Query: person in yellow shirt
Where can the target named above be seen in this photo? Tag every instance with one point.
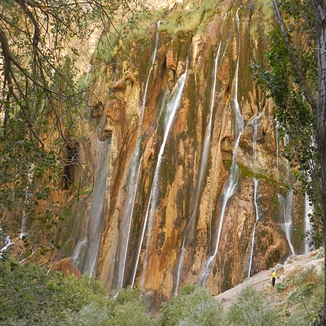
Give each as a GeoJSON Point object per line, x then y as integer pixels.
{"type": "Point", "coordinates": [273, 278]}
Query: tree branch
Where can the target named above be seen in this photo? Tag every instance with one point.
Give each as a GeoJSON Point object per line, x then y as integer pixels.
{"type": "Point", "coordinates": [294, 62]}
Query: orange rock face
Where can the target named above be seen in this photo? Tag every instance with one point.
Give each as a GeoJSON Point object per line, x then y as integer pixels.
{"type": "Point", "coordinates": [195, 199]}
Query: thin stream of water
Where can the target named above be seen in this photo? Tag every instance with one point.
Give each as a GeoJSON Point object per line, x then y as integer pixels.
{"type": "Point", "coordinates": [308, 227]}
{"type": "Point", "coordinates": [94, 228]}
{"type": "Point", "coordinates": [202, 169]}
{"type": "Point", "coordinates": [229, 187]}
{"type": "Point", "coordinates": [256, 183]}
{"type": "Point", "coordinates": [134, 171]}
{"type": "Point", "coordinates": [171, 111]}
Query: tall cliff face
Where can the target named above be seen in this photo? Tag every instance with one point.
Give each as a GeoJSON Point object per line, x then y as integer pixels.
{"type": "Point", "coordinates": [194, 187]}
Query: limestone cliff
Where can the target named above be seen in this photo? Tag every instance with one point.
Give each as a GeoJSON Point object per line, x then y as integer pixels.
{"type": "Point", "coordinates": [194, 189]}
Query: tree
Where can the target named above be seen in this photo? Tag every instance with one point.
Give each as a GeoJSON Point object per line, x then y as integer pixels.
{"type": "Point", "coordinates": [291, 80]}
{"type": "Point", "coordinates": [320, 14]}
{"type": "Point", "coordinates": [41, 102]}
{"type": "Point", "coordinates": [311, 15]}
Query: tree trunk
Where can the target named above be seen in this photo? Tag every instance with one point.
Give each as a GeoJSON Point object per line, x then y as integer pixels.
{"type": "Point", "coordinates": [320, 10]}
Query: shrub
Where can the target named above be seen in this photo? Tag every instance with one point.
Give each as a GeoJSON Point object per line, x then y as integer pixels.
{"type": "Point", "coordinates": [193, 307]}
{"type": "Point", "coordinates": [251, 310]}
{"type": "Point", "coordinates": [129, 308]}
{"type": "Point", "coordinates": [31, 295]}
{"type": "Point", "coordinates": [93, 314]}
{"type": "Point", "coordinates": [280, 287]}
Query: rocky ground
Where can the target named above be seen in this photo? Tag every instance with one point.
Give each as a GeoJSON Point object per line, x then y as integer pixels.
{"type": "Point", "coordinates": [261, 282]}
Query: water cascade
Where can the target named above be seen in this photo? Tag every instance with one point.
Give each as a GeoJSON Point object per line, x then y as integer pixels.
{"type": "Point", "coordinates": [277, 127]}
{"type": "Point", "coordinates": [286, 203]}
{"type": "Point", "coordinates": [308, 227]}
{"type": "Point", "coordinates": [231, 183]}
{"type": "Point", "coordinates": [79, 251]}
{"type": "Point", "coordinates": [30, 176]}
{"type": "Point", "coordinates": [256, 183]}
{"type": "Point", "coordinates": [309, 210]}
{"type": "Point", "coordinates": [134, 170]}
{"type": "Point", "coordinates": [94, 228]}
{"type": "Point", "coordinates": [89, 68]}
{"type": "Point", "coordinates": [8, 243]}
{"type": "Point", "coordinates": [286, 207]}
{"type": "Point", "coordinates": [254, 123]}
{"type": "Point", "coordinates": [170, 112]}
{"type": "Point", "coordinates": [202, 169]}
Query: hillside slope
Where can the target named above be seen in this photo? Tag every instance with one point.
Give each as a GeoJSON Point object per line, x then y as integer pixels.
{"type": "Point", "coordinates": [299, 285]}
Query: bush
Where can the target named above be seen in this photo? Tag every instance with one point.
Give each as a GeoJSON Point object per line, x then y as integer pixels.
{"type": "Point", "coordinates": [251, 310]}
{"type": "Point", "coordinates": [129, 309]}
{"type": "Point", "coordinates": [93, 314]}
{"type": "Point", "coordinates": [193, 307]}
{"type": "Point", "coordinates": [280, 287]}
{"type": "Point", "coordinates": [308, 297]}
{"type": "Point", "coordinates": [31, 295]}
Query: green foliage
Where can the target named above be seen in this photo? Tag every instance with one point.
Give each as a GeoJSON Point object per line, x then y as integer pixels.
{"type": "Point", "coordinates": [31, 295]}
{"type": "Point", "coordinates": [189, 16]}
{"type": "Point", "coordinates": [295, 118]}
{"type": "Point", "coordinates": [306, 297]}
{"type": "Point", "coordinates": [41, 106]}
{"type": "Point", "coordinates": [251, 310]}
{"type": "Point", "coordinates": [127, 308]}
{"type": "Point", "coordinates": [280, 287]}
{"type": "Point", "coordinates": [93, 314]}
{"type": "Point", "coordinates": [194, 306]}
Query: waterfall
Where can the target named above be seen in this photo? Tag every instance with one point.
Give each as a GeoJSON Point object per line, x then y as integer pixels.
{"type": "Point", "coordinates": [309, 209]}
{"type": "Point", "coordinates": [227, 193]}
{"type": "Point", "coordinates": [79, 251]}
{"type": "Point", "coordinates": [89, 68]}
{"type": "Point", "coordinates": [94, 228]}
{"type": "Point", "coordinates": [8, 243]}
{"type": "Point", "coordinates": [134, 170]}
{"type": "Point", "coordinates": [308, 227]}
{"type": "Point", "coordinates": [286, 202]}
{"type": "Point", "coordinates": [202, 169]}
{"type": "Point", "coordinates": [170, 112]}
{"type": "Point", "coordinates": [287, 207]}
{"type": "Point", "coordinates": [256, 182]}
{"type": "Point", "coordinates": [277, 127]}
{"type": "Point", "coordinates": [254, 123]}
{"type": "Point", "coordinates": [231, 183]}
{"type": "Point", "coordinates": [30, 176]}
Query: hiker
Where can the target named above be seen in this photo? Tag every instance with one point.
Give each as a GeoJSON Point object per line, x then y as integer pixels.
{"type": "Point", "coordinates": [273, 278]}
